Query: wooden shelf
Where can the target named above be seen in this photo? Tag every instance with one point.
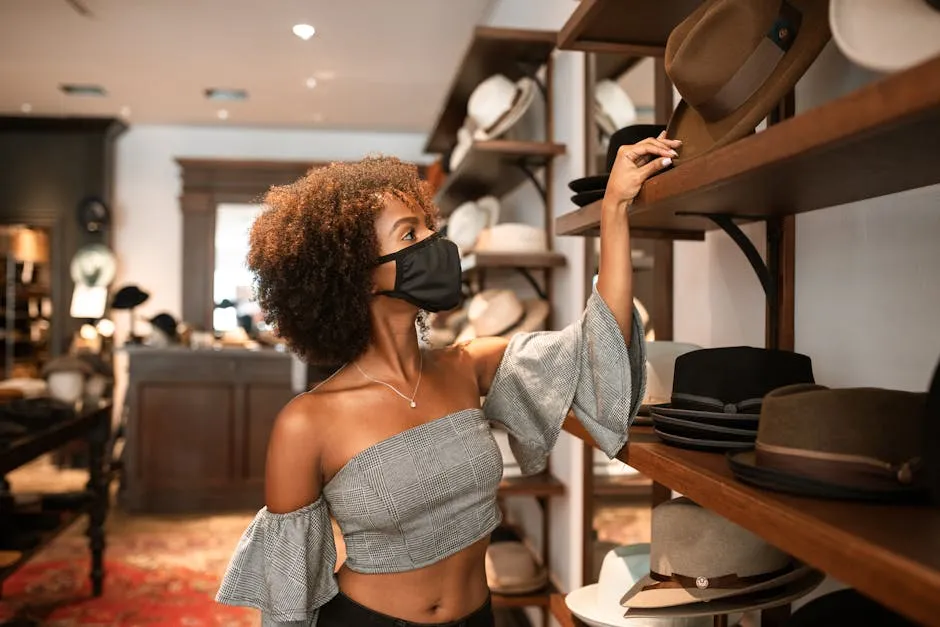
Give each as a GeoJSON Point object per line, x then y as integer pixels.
{"type": "Point", "coordinates": [622, 486]}
{"type": "Point", "coordinates": [541, 485]}
{"type": "Point", "coordinates": [561, 613]}
{"type": "Point", "coordinates": [491, 167]}
{"type": "Point", "coordinates": [632, 27]}
{"type": "Point", "coordinates": [539, 598]}
{"type": "Point", "coordinates": [857, 543]}
{"type": "Point", "coordinates": [881, 139]}
{"type": "Point", "coordinates": [494, 260]}
{"type": "Point", "coordinates": [505, 51]}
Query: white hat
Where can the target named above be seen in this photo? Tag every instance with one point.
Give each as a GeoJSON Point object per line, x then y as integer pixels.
{"type": "Point", "coordinates": [496, 312]}
{"type": "Point", "coordinates": [613, 108]}
{"type": "Point", "coordinates": [464, 142]}
{"type": "Point", "coordinates": [512, 237]}
{"type": "Point", "coordinates": [598, 604]}
{"type": "Point", "coordinates": [467, 221]}
{"type": "Point", "coordinates": [497, 103]}
{"type": "Point", "coordinates": [660, 367]}
{"type": "Point", "coordinates": [511, 569]}
{"type": "Point", "coordinates": [886, 35]}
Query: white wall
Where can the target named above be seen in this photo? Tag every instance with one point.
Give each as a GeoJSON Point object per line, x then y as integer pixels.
{"type": "Point", "coordinates": [147, 217]}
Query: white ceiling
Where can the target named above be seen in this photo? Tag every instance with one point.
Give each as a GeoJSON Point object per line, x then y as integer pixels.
{"type": "Point", "coordinates": [382, 64]}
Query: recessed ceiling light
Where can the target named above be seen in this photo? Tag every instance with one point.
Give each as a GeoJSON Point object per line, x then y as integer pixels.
{"type": "Point", "coordinates": [223, 114]}
{"type": "Point", "coordinates": [304, 31]}
{"type": "Point", "coordinates": [125, 111]}
{"type": "Point", "coordinates": [226, 94]}
{"type": "Point", "coordinates": [83, 90]}
{"type": "Point", "coordinates": [26, 107]}
{"type": "Point", "coordinates": [311, 83]}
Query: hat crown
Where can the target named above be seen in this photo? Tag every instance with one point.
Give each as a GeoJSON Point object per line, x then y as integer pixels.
{"type": "Point", "coordinates": [692, 541]}
{"type": "Point", "coordinates": [887, 425]}
{"type": "Point", "coordinates": [706, 50]}
{"type": "Point", "coordinates": [738, 373]}
{"type": "Point", "coordinates": [660, 365]}
{"type": "Point", "coordinates": [494, 311]}
{"type": "Point", "coordinates": [490, 100]}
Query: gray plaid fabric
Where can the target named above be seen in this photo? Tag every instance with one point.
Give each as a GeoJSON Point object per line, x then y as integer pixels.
{"type": "Point", "coordinates": [585, 367]}
{"type": "Point", "coordinates": [430, 491]}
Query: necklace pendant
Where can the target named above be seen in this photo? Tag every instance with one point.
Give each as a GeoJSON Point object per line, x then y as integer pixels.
{"type": "Point", "coordinates": [413, 404]}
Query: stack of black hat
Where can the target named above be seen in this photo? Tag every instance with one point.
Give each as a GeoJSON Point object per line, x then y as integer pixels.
{"type": "Point", "coordinates": [591, 188]}
{"type": "Point", "coordinates": [717, 395]}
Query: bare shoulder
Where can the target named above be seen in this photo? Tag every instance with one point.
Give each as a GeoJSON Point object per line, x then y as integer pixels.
{"type": "Point", "coordinates": [485, 355]}
{"type": "Point", "coordinates": [293, 474]}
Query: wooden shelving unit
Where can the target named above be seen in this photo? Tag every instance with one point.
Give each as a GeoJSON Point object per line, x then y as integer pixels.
{"type": "Point", "coordinates": [629, 27]}
{"type": "Point", "coordinates": [857, 543]}
{"type": "Point", "coordinates": [622, 487]}
{"type": "Point", "coordinates": [497, 167]}
{"type": "Point", "coordinates": [493, 167]}
{"type": "Point", "coordinates": [499, 260]}
{"type": "Point", "coordinates": [541, 485]}
{"type": "Point", "coordinates": [507, 51]}
{"type": "Point", "coordinates": [561, 613]}
{"type": "Point", "coordinates": [878, 140]}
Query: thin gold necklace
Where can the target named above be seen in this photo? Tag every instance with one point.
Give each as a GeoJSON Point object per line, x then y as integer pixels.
{"type": "Point", "coordinates": [393, 388]}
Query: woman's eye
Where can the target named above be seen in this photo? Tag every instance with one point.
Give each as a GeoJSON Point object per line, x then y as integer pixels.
{"type": "Point", "coordinates": [409, 236]}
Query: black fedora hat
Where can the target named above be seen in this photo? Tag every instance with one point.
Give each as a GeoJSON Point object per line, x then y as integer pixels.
{"type": "Point", "coordinates": [128, 297]}
{"type": "Point", "coordinates": [626, 136]}
{"type": "Point", "coordinates": [726, 386]}
{"type": "Point", "coordinates": [165, 323]}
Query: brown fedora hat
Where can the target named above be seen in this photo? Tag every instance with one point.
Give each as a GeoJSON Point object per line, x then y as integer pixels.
{"type": "Point", "coordinates": [732, 61]}
{"type": "Point", "coordinates": [855, 443]}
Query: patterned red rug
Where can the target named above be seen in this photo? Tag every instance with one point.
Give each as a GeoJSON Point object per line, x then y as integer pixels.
{"type": "Point", "coordinates": [157, 572]}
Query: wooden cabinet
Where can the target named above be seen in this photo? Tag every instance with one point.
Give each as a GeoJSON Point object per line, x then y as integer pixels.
{"type": "Point", "coordinates": [197, 427]}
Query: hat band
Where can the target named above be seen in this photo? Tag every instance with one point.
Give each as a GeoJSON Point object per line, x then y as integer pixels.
{"type": "Point", "coordinates": [856, 471]}
{"type": "Point", "coordinates": [726, 582]}
{"type": "Point", "coordinates": [681, 400]}
{"type": "Point", "coordinates": [515, 101]}
{"type": "Point", "coordinates": [758, 67]}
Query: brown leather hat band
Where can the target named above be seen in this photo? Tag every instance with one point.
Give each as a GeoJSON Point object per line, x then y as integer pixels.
{"type": "Point", "coordinates": [755, 71]}
{"type": "Point", "coordinates": [855, 471]}
{"type": "Point", "coordinates": [732, 581]}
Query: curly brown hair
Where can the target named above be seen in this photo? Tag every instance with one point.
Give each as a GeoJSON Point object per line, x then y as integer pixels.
{"type": "Point", "coordinates": [313, 250]}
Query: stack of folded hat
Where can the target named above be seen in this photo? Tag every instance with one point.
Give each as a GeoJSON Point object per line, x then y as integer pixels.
{"type": "Point", "coordinates": [495, 106]}
{"type": "Point", "coordinates": [717, 395]}
{"type": "Point", "coordinates": [475, 227]}
{"type": "Point", "coordinates": [698, 565]}
{"type": "Point", "coordinates": [591, 188]}
{"type": "Point", "coordinates": [855, 444]}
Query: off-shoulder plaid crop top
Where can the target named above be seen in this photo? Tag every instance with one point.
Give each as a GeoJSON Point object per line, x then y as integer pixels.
{"type": "Point", "coordinates": [428, 492]}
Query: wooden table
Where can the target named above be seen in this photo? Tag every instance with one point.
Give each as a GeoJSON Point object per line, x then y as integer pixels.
{"type": "Point", "coordinates": [94, 426]}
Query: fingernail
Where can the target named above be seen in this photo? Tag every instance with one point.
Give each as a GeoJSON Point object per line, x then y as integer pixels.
{"type": "Point", "coordinates": [662, 135]}
{"type": "Point", "coordinates": [667, 161]}
{"type": "Point", "coordinates": [674, 153]}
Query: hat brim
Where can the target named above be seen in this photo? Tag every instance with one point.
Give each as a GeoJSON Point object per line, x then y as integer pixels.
{"type": "Point", "coordinates": [700, 136]}
{"type": "Point", "coordinates": [701, 444]}
{"type": "Point", "coordinates": [589, 183]}
{"type": "Point", "coordinates": [710, 417]}
{"type": "Point", "coordinates": [527, 88]}
{"type": "Point", "coordinates": [659, 595]}
{"type": "Point", "coordinates": [586, 198]}
{"type": "Point", "coordinates": [536, 313]}
{"type": "Point", "coordinates": [867, 38]}
{"type": "Point", "coordinates": [702, 429]}
{"type": "Point", "coordinates": [781, 594]}
{"type": "Point", "coordinates": [584, 604]}
{"type": "Point", "coordinates": [744, 467]}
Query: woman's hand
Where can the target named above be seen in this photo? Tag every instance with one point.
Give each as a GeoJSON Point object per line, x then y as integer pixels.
{"type": "Point", "coordinates": [634, 164]}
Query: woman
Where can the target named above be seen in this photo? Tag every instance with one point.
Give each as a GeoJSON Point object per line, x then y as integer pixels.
{"type": "Point", "coordinates": [395, 444]}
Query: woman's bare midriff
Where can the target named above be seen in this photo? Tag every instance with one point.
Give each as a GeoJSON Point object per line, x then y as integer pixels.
{"type": "Point", "coordinates": [439, 593]}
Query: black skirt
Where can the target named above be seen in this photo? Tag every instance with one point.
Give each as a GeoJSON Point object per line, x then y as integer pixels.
{"type": "Point", "coordinates": [341, 611]}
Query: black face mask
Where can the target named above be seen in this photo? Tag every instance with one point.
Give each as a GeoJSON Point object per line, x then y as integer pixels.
{"type": "Point", "coordinates": [427, 274]}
